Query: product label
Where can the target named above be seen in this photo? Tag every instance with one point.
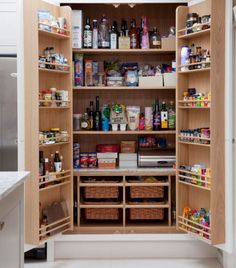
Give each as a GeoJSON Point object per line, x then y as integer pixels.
{"type": "Point", "coordinates": [156, 43]}
{"type": "Point", "coordinates": [157, 120]}
{"type": "Point", "coordinates": [84, 124]}
{"type": "Point", "coordinates": [164, 119]}
{"type": "Point", "coordinates": [87, 39]}
{"type": "Point", "coordinates": [133, 41]}
{"type": "Point", "coordinates": [113, 41]}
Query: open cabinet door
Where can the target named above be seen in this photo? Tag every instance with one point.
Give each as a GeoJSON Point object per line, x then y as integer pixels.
{"type": "Point", "coordinates": [49, 196]}
{"type": "Point", "coordinates": [201, 123]}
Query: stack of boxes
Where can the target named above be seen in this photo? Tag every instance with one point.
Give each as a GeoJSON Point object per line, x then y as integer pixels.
{"type": "Point", "coordinates": [107, 160]}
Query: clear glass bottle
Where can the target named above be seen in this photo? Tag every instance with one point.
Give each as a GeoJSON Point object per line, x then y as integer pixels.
{"type": "Point", "coordinates": [95, 34]}
{"type": "Point", "coordinates": [87, 37]}
{"type": "Point", "coordinates": [103, 35]}
{"type": "Point", "coordinates": [85, 122]}
{"type": "Point", "coordinates": [155, 39]}
{"type": "Point", "coordinates": [171, 116]}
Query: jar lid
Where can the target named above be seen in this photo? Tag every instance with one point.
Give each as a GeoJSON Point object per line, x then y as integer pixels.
{"type": "Point", "coordinates": [55, 129]}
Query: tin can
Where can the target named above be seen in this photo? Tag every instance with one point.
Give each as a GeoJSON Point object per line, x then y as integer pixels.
{"type": "Point", "coordinates": [84, 160]}
{"type": "Point", "coordinates": [76, 155]}
{"type": "Point", "coordinates": [92, 160]}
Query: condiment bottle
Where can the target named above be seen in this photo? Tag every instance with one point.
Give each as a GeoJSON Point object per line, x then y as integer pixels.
{"type": "Point", "coordinates": [113, 36]}
{"type": "Point", "coordinates": [171, 116]}
{"type": "Point", "coordinates": [145, 34]}
{"type": "Point", "coordinates": [57, 162]}
{"type": "Point", "coordinates": [95, 34]}
{"type": "Point", "coordinates": [164, 116]}
{"type": "Point", "coordinates": [133, 35]}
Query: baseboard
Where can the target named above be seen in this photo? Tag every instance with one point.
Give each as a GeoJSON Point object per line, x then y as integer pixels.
{"type": "Point", "coordinates": [125, 247]}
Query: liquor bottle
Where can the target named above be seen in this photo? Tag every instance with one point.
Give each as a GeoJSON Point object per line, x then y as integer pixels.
{"type": "Point", "coordinates": [164, 116]}
{"type": "Point", "coordinates": [145, 34]}
{"type": "Point", "coordinates": [103, 34]}
{"type": "Point", "coordinates": [41, 164]}
{"type": "Point", "coordinates": [57, 162]}
{"type": "Point", "coordinates": [155, 39]}
{"type": "Point", "coordinates": [91, 115]}
{"type": "Point", "coordinates": [171, 116]}
{"type": "Point", "coordinates": [133, 35]}
{"type": "Point", "coordinates": [113, 36]}
{"type": "Point", "coordinates": [123, 26]}
{"type": "Point", "coordinates": [95, 34]}
{"type": "Point", "coordinates": [97, 117]}
{"type": "Point", "coordinates": [87, 38]}
{"type": "Point", "coordinates": [85, 122]}
{"type": "Point", "coordinates": [156, 117]}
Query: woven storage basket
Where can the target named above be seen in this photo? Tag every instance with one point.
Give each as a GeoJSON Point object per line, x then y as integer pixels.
{"type": "Point", "coordinates": [101, 192]}
{"type": "Point", "coordinates": [146, 191]}
{"type": "Point", "coordinates": [101, 214]}
{"type": "Point", "coordinates": [147, 214]}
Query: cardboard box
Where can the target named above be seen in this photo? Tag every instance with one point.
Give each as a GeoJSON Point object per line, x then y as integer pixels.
{"type": "Point", "coordinates": [106, 163]}
{"type": "Point", "coordinates": [78, 70]}
{"type": "Point", "coordinates": [127, 146]}
{"type": "Point", "coordinates": [169, 79]}
{"type": "Point", "coordinates": [88, 73]}
{"type": "Point", "coordinates": [107, 155]}
{"type": "Point", "coordinates": [168, 43]}
{"type": "Point", "coordinates": [151, 81]}
{"type": "Point", "coordinates": [77, 27]}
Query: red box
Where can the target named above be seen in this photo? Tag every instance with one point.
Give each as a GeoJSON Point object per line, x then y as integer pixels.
{"type": "Point", "coordinates": [108, 148]}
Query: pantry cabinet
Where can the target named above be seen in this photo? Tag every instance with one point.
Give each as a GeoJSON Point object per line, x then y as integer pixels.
{"type": "Point", "coordinates": [175, 189]}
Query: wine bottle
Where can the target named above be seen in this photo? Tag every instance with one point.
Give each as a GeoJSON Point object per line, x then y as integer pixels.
{"type": "Point", "coordinates": [164, 116]}
{"type": "Point", "coordinates": [97, 116]}
{"type": "Point", "coordinates": [156, 117]}
{"type": "Point", "coordinates": [87, 37]}
{"type": "Point", "coordinates": [91, 115]}
{"type": "Point", "coordinates": [41, 164]}
{"type": "Point", "coordinates": [57, 162]}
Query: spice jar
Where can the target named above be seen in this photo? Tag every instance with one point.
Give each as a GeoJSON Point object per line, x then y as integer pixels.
{"type": "Point", "coordinates": [64, 137]}
{"type": "Point", "coordinates": [192, 18]}
{"type": "Point", "coordinates": [56, 133]}
{"type": "Point", "coordinates": [206, 20]}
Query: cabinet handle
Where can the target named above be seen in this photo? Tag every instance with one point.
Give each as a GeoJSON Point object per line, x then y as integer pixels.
{"type": "Point", "coordinates": [2, 223]}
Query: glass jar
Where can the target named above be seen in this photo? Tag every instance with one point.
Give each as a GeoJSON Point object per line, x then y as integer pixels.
{"type": "Point", "coordinates": [206, 19]}
{"type": "Point", "coordinates": [192, 18]}
{"type": "Point", "coordinates": [64, 137]}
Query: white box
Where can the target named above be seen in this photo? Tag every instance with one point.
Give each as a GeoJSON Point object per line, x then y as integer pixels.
{"type": "Point", "coordinates": [151, 81]}
{"type": "Point", "coordinates": [168, 42]}
{"type": "Point", "coordinates": [107, 155]}
{"type": "Point", "coordinates": [77, 28]}
{"type": "Point", "coordinates": [128, 164]}
{"type": "Point", "coordinates": [128, 157]}
{"type": "Point", "coordinates": [169, 79]}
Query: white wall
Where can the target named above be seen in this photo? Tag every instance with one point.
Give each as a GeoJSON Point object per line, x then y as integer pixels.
{"type": "Point", "coordinates": [8, 26]}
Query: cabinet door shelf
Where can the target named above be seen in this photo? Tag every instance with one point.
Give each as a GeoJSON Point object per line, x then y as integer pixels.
{"type": "Point", "coordinates": [196, 229]}
{"type": "Point", "coordinates": [60, 178]}
{"type": "Point", "coordinates": [193, 185]}
{"type": "Point", "coordinates": [196, 34]}
{"type": "Point", "coordinates": [190, 28]}
{"type": "Point", "coordinates": [54, 227]}
{"type": "Point", "coordinates": [194, 143]}
{"type": "Point", "coordinates": [195, 71]}
{"type": "Point", "coordinates": [54, 144]}
{"type": "Point", "coordinates": [53, 35]}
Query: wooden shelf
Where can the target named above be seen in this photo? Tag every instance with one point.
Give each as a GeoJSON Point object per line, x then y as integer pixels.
{"type": "Point", "coordinates": [195, 229]}
{"type": "Point", "coordinates": [195, 71]}
{"type": "Point", "coordinates": [76, 89]}
{"type": "Point", "coordinates": [193, 64]}
{"type": "Point", "coordinates": [194, 185]}
{"type": "Point", "coordinates": [196, 34]}
{"type": "Point", "coordinates": [143, 184]}
{"type": "Point", "coordinates": [192, 173]}
{"type": "Point", "coordinates": [194, 143]}
{"type": "Point", "coordinates": [148, 206]}
{"type": "Point", "coordinates": [190, 28]}
{"type": "Point", "coordinates": [53, 71]}
{"type": "Point", "coordinates": [49, 187]}
{"type": "Point", "coordinates": [54, 144]}
{"type": "Point", "coordinates": [103, 205]}
{"type": "Point", "coordinates": [101, 184]}
{"type": "Point", "coordinates": [193, 107]}
{"type": "Point", "coordinates": [124, 51]}
{"type": "Point", "coordinates": [53, 108]}
{"type": "Point", "coordinates": [53, 35]}
{"type": "Point", "coordinates": [164, 132]}
{"type": "Point", "coordinates": [125, 172]}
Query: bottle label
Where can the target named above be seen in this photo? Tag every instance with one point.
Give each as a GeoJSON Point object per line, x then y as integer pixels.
{"type": "Point", "coordinates": [171, 121]}
{"type": "Point", "coordinates": [164, 119]}
{"type": "Point", "coordinates": [113, 42]}
{"type": "Point", "coordinates": [157, 120]}
{"type": "Point", "coordinates": [95, 39]}
{"type": "Point", "coordinates": [84, 125]}
{"type": "Point", "coordinates": [156, 43]}
{"type": "Point", "coordinates": [133, 41]}
{"type": "Point", "coordinates": [87, 38]}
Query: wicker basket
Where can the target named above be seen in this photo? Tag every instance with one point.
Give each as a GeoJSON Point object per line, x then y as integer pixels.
{"type": "Point", "coordinates": [146, 191]}
{"type": "Point", "coordinates": [146, 214]}
{"type": "Point", "coordinates": [98, 192]}
{"type": "Point", "coordinates": [101, 214]}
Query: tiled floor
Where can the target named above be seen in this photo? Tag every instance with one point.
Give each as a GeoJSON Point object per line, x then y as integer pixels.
{"type": "Point", "coordinates": [160, 263]}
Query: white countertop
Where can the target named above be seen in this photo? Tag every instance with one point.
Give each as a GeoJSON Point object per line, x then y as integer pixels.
{"type": "Point", "coordinates": [9, 181]}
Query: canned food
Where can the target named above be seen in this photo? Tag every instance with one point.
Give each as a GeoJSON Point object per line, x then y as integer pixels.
{"type": "Point", "coordinates": [92, 160]}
